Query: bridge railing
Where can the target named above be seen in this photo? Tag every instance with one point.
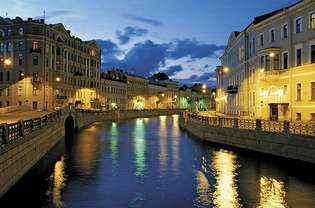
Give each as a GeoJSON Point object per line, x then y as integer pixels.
{"type": "Point", "coordinates": [286, 127]}
{"type": "Point", "coordinates": [9, 133]}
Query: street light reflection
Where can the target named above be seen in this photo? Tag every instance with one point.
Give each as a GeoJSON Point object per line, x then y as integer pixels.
{"type": "Point", "coordinates": [139, 147]}
{"type": "Point", "coordinates": [59, 180]}
{"type": "Point", "coordinates": [272, 193]}
{"type": "Point", "coordinates": [225, 194]}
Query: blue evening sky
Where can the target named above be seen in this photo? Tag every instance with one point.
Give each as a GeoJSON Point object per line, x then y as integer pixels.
{"type": "Point", "coordinates": [181, 37]}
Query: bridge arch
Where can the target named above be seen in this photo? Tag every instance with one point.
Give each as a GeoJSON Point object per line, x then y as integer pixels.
{"type": "Point", "coordinates": [69, 126]}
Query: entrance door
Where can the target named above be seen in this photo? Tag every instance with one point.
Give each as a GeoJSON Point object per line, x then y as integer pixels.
{"type": "Point", "coordinates": [274, 112]}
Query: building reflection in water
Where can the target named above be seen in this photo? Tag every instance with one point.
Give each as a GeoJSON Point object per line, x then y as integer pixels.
{"type": "Point", "coordinates": [224, 166]}
{"type": "Point", "coordinates": [87, 151]}
{"type": "Point", "coordinates": [163, 144]}
{"type": "Point", "coordinates": [59, 180]}
{"type": "Point", "coordinates": [272, 193]}
{"type": "Point", "coordinates": [175, 144]}
{"type": "Point", "coordinates": [139, 147]}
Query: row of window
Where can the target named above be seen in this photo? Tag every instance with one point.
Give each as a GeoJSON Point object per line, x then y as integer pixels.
{"type": "Point", "coordinates": [298, 116]}
{"type": "Point", "coordinates": [8, 32]}
{"type": "Point", "coordinates": [299, 92]}
{"type": "Point", "coordinates": [298, 28]}
{"type": "Point", "coordinates": [267, 62]}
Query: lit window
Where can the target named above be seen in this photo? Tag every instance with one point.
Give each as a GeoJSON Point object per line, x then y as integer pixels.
{"type": "Point", "coordinates": [35, 45]}
{"type": "Point", "coordinates": [312, 116]}
{"type": "Point", "coordinates": [312, 20]}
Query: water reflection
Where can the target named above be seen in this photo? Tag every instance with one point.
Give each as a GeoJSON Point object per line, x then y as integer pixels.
{"type": "Point", "coordinates": [113, 143]}
{"type": "Point", "coordinates": [272, 193]}
{"type": "Point", "coordinates": [163, 144]}
{"type": "Point", "coordinates": [225, 165]}
{"type": "Point", "coordinates": [86, 151]}
{"type": "Point", "coordinates": [175, 144]}
{"type": "Point", "coordinates": [203, 189]}
{"type": "Point", "coordinates": [157, 165]}
{"type": "Point", "coordinates": [58, 179]}
{"type": "Point", "coordinates": [139, 147]}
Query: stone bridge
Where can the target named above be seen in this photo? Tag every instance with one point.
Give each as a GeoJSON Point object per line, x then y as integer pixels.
{"type": "Point", "coordinates": [24, 143]}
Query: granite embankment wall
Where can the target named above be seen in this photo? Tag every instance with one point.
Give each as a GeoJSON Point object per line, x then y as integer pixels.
{"type": "Point", "coordinates": [290, 146]}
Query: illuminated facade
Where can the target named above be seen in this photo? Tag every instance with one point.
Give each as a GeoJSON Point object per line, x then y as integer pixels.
{"type": "Point", "coordinates": [267, 70]}
{"type": "Point", "coordinates": [42, 66]}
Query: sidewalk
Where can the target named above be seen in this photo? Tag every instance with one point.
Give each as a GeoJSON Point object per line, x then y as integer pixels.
{"type": "Point", "coordinates": [13, 117]}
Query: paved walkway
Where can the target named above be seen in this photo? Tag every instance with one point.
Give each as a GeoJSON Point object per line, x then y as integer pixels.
{"type": "Point", "coordinates": [15, 116]}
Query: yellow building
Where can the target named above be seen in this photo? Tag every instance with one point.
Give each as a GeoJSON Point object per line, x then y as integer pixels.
{"type": "Point", "coordinates": [267, 69]}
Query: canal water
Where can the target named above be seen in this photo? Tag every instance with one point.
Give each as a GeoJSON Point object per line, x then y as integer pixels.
{"type": "Point", "coordinates": [150, 162]}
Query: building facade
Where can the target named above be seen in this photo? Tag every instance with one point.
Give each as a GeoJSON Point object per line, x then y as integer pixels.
{"type": "Point", "coordinates": [267, 69]}
{"type": "Point", "coordinates": [42, 66]}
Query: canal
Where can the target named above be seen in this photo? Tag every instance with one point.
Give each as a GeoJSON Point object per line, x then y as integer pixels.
{"type": "Point", "coordinates": [150, 162]}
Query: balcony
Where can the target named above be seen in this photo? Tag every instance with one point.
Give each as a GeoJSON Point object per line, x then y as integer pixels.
{"type": "Point", "coordinates": [271, 75]}
{"type": "Point", "coordinates": [35, 50]}
{"type": "Point", "coordinates": [232, 89]}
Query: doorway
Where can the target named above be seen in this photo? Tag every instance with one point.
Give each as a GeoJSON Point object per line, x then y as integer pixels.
{"type": "Point", "coordinates": [274, 112]}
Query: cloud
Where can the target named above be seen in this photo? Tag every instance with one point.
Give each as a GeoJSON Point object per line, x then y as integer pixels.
{"type": "Point", "coordinates": [145, 58]}
{"type": "Point", "coordinates": [192, 48]}
{"type": "Point", "coordinates": [129, 32]}
{"type": "Point", "coordinates": [148, 21]}
{"type": "Point", "coordinates": [172, 70]}
{"type": "Point", "coordinates": [56, 13]}
{"type": "Point", "coordinates": [208, 78]}
{"type": "Point", "coordinates": [148, 57]}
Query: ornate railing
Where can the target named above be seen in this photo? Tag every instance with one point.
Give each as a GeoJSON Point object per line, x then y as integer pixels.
{"type": "Point", "coordinates": [9, 133]}
{"type": "Point", "coordinates": [285, 127]}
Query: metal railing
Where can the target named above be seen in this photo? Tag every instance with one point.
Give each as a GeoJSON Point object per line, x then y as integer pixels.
{"type": "Point", "coordinates": [9, 133]}
{"type": "Point", "coordinates": [286, 127]}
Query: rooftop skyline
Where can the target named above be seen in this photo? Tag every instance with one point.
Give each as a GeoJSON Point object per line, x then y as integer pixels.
{"type": "Point", "coordinates": [182, 38]}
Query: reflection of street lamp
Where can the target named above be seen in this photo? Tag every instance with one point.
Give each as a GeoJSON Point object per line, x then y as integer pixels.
{"type": "Point", "coordinates": [58, 79]}
{"type": "Point", "coordinates": [204, 91]}
{"type": "Point", "coordinates": [162, 94]}
{"type": "Point", "coordinates": [226, 69]}
{"type": "Point", "coordinates": [175, 96]}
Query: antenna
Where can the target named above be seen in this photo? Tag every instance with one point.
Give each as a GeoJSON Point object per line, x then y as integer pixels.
{"type": "Point", "coordinates": [6, 14]}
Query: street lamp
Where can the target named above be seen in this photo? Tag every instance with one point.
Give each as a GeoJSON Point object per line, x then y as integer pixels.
{"type": "Point", "coordinates": [7, 62]}
{"type": "Point", "coordinates": [58, 79]}
{"type": "Point", "coordinates": [204, 86]}
{"type": "Point", "coordinates": [226, 69]}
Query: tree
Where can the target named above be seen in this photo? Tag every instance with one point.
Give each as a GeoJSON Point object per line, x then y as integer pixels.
{"type": "Point", "coordinates": [160, 76]}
